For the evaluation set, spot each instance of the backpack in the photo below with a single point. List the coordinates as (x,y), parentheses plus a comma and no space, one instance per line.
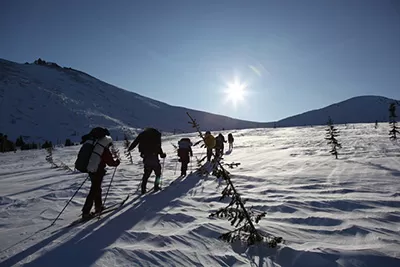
(184,147)
(184,143)
(219,141)
(88,144)
(150,141)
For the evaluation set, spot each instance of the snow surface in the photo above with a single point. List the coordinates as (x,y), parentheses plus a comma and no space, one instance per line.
(343,212)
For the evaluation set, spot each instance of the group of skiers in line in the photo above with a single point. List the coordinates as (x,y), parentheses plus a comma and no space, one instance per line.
(149,144)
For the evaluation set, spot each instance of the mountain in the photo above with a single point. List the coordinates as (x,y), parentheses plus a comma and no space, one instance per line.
(43,101)
(361,109)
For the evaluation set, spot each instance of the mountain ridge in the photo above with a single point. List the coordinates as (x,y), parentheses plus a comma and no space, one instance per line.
(358,109)
(43,101)
(68,102)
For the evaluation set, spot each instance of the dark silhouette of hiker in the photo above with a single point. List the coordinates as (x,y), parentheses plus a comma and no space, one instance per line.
(149,142)
(96,167)
(230,141)
(184,154)
(209,141)
(219,145)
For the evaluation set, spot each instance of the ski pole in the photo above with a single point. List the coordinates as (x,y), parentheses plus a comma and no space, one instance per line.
(69,202)
(162,171)
(176,165)
(108,189)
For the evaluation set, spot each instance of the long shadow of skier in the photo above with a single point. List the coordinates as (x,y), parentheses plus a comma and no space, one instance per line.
(261,255)
(86,247)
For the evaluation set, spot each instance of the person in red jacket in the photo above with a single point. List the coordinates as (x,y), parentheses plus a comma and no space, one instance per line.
(97,178)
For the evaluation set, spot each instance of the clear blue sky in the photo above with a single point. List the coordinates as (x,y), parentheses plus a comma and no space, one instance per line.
(294,55)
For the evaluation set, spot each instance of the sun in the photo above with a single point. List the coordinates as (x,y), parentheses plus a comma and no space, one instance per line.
(236,92)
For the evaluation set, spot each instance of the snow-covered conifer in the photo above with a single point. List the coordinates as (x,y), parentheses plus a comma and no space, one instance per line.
(331,134)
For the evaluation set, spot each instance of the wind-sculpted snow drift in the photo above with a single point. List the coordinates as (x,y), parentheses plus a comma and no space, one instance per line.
(330,212)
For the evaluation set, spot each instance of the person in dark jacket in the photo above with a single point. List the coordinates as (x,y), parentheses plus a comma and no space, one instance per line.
(97,178)
(184,154)
(219,145)
(209,141)
(149,142)
(230,141)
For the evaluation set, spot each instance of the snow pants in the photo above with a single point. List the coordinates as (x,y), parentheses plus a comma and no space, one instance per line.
(94,193)
(151,163)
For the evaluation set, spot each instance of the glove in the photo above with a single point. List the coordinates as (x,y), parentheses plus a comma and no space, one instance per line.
(163,155)
(117,161)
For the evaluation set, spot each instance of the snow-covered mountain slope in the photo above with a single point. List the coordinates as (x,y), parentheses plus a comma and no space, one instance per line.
(44,102)
(342,213)
(361,109)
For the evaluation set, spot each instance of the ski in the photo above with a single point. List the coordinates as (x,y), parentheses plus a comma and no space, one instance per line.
(109,209)
(116,206)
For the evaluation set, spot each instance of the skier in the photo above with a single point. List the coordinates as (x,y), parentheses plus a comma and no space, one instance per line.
(219,145)
(149,142)
(184,154)
(230,141)
(98,159)
(209,141)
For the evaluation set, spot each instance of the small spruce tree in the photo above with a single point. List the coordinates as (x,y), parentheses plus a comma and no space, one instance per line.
(49,156)
(241,217)
(47,144)
(331,134)
(115,151)
(19,142)
(68,142)
(394,129)
(126,147)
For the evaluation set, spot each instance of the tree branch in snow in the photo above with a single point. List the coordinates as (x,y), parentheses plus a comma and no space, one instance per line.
(331,134)
(126,146)
(115,152)
(49,157)
(394,129)
(242,218)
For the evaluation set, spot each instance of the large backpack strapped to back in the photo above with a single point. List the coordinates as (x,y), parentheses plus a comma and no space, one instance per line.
(93,144)
(150,141)
(184,146)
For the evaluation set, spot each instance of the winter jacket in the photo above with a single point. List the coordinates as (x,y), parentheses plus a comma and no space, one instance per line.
(209,141)
(107,159)
(219,141)
(185,148)
(230,138)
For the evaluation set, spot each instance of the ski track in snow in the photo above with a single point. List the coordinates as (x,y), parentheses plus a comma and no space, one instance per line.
(330,212)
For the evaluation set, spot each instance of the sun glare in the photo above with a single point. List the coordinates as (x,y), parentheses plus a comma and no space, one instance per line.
(236,92)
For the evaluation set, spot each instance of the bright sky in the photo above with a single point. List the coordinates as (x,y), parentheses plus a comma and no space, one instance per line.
(287,57)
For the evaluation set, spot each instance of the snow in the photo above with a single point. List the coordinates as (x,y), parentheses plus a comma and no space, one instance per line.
(343,212)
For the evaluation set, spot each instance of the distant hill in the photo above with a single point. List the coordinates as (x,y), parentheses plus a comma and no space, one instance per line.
(361,109)
(43,101)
